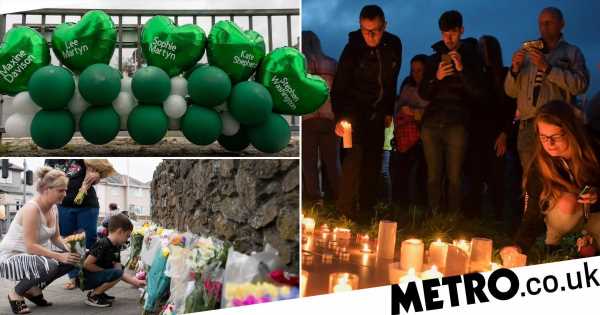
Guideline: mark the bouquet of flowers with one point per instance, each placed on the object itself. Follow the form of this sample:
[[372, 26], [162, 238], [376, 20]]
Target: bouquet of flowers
[[76, 244], [248, 293], [137, 240], [102, 167]]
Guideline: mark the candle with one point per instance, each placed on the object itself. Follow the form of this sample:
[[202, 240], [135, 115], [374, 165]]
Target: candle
[[437, 254], [308, 225], [324, 228], [411, 275], [365, 248], [342, 282], [394, 272], [386, 239], [345, 256], [411, 254], [432, 273], [332, 244], [303, 281], [327, 258], [457, 261], [362, 238], [342, 233], [513, 260], [365, 260], [347, 134], [481, 254], [307, 259], [308, 244], [462, 244]]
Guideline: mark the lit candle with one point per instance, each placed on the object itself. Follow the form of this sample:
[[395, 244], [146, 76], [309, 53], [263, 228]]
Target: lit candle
[[342, 282], [342, 233], [411, 275], [411, 254], [481, 254], [432, 273], [345, 256], [513, 260], [308, 244], [394, 272], [307, 259], [462, 244], [437, 254], [308, 225], [365, 260], [327, 258], [347, 134], [386, 239], [457, 261], [365, 248]]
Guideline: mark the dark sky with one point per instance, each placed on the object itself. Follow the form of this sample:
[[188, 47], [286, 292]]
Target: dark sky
[[415, 22]]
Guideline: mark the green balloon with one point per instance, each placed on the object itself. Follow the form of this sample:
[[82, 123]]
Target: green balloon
[[23, 52], [147, 124], [172, 48], [272, 136], [283, 73], [52, 129], [151, 85], [91, 40], [250, 103], [99, 125], [235, 143], [200, 125], [236, 52], [209, 86], [52, 87], [100, 84]]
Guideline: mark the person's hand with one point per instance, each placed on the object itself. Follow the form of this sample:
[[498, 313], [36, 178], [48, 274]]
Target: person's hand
[[457, 59], [500, 145], [388, 121], [139, 283], [444, 69], [538, 59], [589, 198], [340, 127], [407, 111], [68, 258], [517, 60], [91, 178]]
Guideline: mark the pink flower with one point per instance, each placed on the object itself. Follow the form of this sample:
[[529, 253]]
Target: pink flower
[[251, 299]]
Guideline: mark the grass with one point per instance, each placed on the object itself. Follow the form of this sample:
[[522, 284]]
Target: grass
[[416, 223]]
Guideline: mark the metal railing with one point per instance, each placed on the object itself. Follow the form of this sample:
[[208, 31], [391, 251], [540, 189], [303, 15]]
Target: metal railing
[[129, 32]]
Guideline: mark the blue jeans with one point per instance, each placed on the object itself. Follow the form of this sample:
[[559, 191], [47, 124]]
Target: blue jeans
[[385, 173], [73, 220], [444, 144], [96, 279]]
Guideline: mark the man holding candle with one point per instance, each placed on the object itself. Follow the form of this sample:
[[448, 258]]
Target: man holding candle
[[362, 97]]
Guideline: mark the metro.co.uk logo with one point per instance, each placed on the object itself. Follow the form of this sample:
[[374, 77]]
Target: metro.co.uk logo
[[502, 284]]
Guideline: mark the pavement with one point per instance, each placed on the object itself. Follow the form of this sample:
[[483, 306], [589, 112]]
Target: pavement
[[173, 145]]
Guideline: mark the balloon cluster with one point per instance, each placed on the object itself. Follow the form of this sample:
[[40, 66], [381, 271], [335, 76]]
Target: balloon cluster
[[236, 99]]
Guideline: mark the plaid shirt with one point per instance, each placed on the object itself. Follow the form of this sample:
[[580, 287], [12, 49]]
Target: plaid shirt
[[406, 132]]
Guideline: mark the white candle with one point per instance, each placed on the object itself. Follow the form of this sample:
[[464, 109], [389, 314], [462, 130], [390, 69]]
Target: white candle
[[386, 239], [481, 254], [437, 254], [342, 282], [347, 134], [411, 275], [365, 248], [342, 233], [432, 273], [457, 261], [411, 254], [308, 225]]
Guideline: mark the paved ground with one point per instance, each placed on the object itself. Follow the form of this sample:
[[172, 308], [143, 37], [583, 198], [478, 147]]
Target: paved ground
[[174, 145]]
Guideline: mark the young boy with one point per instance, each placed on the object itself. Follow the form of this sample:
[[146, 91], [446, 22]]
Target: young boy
[[102, 267]]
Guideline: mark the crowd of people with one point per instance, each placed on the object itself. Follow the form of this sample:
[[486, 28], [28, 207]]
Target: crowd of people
[[461, 126]]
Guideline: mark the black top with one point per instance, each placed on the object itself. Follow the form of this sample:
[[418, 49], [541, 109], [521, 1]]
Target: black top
[[452, 98], [364, 87], [107, 254], [75, 170]]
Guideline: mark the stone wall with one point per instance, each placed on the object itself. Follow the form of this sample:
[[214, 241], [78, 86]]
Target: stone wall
[[247, 202]]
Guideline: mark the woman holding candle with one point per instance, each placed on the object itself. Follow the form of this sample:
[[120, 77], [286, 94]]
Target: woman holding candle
[[565, 161], [24, 255]]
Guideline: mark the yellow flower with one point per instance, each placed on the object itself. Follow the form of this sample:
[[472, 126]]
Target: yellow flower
[[165, 251]]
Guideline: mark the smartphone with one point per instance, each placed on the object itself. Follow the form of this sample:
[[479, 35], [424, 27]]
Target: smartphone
[[585, 190], [446, 58]]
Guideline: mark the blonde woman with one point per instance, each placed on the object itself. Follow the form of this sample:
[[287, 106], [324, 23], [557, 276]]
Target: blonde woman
[[565, 161], [24, 253]]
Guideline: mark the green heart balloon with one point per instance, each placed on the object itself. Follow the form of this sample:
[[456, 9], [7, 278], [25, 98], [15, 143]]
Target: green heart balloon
[[236, 52], [89, 41], [172, 48], [24, 51], [294, 92]]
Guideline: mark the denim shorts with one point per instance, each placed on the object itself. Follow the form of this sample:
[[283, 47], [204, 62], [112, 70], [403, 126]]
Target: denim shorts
[[93, 280]]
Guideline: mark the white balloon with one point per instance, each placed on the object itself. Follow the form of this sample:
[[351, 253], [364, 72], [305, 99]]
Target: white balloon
[[22, 103], [77, 104], [179, 86], [175, 106], [221, 108], [230, 125], [124, 104], [126, 85], [174, 124], [18, 125]]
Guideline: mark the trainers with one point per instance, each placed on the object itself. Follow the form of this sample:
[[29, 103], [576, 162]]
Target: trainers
[[96, 300], [107, 297]]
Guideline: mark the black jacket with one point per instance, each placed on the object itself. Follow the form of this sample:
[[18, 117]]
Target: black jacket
[[364, 88], [452, 99], [75, 170]]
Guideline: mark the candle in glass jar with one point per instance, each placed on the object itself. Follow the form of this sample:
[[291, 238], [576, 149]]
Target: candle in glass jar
[[342, 282], [411, 254], [437, 254], [342, 233], [386, 239], [462, 244], [308, 225], [457, 261], [481, 254]]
